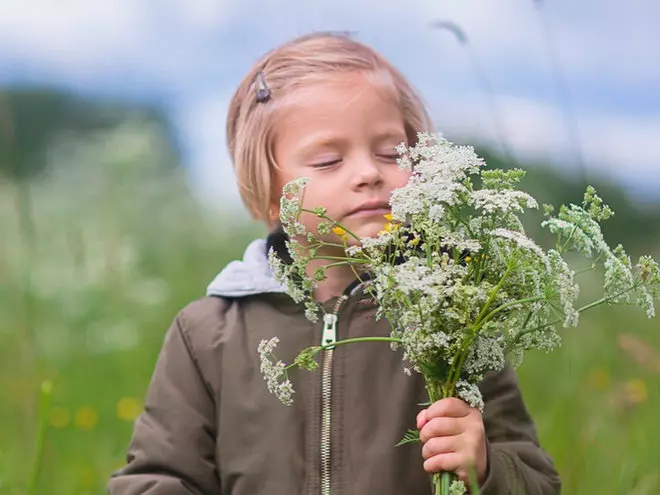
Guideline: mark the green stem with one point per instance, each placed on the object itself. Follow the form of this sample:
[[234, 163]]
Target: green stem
[[561, 250], [494, 292], [580, 310], [446, 481], [584, 270], [44, 408], [442, 480], [504, 306], [455, 372], [341, 258], [358, 340], [339, 263], [321, 244], [325, 217], [461, 221]]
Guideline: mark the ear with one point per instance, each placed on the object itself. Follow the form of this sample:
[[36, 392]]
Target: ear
[[274, 212]]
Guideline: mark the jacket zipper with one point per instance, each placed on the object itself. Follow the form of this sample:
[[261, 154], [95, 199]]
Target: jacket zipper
[[329, 337]]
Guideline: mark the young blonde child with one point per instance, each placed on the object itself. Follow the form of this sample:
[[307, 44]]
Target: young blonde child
[[329, 108]]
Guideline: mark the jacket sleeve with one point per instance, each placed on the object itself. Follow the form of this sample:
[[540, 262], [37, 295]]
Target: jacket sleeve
[[516, 463], [172, 450]]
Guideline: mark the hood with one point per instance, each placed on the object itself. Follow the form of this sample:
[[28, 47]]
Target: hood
[[249, 276]]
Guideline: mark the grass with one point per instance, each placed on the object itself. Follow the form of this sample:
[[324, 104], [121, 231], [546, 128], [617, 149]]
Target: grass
[[90, 285]]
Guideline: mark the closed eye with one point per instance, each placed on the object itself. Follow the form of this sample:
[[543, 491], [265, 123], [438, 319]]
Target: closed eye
[[325, 164], [393, 156]]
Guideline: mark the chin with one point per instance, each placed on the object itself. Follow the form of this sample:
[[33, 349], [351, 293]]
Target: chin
[[369, 230]]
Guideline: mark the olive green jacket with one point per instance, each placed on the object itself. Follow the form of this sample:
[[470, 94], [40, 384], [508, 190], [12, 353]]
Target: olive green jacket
[[211, 427]]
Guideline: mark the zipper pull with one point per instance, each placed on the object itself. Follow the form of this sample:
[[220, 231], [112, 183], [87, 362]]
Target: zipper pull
[[329, 329]]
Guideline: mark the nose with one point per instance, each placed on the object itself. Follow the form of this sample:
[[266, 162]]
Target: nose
[[366, 172]]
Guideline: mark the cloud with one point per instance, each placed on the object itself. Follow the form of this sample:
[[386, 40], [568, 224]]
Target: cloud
[[102, 43], [620, 147], [195, 51]]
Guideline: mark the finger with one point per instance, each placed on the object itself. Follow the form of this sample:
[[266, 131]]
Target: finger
[[421, 419], [451, 461], [440, 427], [451, 407], [439, 445]]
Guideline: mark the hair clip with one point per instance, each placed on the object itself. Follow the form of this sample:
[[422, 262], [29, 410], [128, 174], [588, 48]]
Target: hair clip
[[263, 91]]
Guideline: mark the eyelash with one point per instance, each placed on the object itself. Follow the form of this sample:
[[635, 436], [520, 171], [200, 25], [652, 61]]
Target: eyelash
[[330, 163], [325, 164]]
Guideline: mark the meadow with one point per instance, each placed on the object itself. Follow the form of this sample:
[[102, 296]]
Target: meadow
[[95, 265]]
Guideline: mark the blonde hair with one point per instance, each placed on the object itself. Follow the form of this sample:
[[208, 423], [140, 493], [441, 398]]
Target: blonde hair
[[301, 62]]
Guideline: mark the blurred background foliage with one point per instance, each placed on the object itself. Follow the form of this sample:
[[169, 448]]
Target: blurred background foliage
[[103, 242]]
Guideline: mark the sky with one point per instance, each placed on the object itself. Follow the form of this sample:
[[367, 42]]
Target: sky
[[500, 87]]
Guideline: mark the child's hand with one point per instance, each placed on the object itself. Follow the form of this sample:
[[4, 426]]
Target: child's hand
[[454, 439]]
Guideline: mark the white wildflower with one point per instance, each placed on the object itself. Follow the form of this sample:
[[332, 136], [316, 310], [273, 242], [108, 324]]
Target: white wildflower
[[354, 251], [290, 207], [436, 213], [420, 345], [503, 201], [471, 394], [283, 273], [564, 286], [619, 278], [457, 487], [312, 310], [645, 301], [375, 246], [521, 240], [565, 230], [274, 372], [456, 240], [456, 275], [486, 354], [649, 280]]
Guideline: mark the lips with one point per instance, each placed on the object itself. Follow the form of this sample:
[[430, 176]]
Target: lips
[[371, 208]]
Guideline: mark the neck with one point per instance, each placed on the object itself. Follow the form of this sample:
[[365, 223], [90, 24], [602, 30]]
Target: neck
[[338, 277]]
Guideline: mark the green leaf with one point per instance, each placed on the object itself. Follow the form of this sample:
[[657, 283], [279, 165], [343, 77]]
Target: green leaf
[[438, 371], [411, 436]]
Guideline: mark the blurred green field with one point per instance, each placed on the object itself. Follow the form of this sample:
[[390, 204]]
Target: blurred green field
[[93, 269]]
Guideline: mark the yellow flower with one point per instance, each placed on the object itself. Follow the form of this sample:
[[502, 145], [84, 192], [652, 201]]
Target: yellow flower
[[391, 227], [468, 259], [388, 217], [340, 232], [128, 408], [86, 418], [414, 241], [636, 391], [58, 417]]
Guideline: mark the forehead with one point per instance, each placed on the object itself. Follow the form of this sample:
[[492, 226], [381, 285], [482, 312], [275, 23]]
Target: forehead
[[340, 101], [341, 88]]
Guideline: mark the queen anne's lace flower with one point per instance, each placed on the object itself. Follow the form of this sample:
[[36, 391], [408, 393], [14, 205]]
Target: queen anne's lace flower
[[453, 271], [505, 201], [274, 372], [457, 487], [471, 394]]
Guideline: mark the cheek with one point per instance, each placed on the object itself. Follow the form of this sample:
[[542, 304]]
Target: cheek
[[398, 178]]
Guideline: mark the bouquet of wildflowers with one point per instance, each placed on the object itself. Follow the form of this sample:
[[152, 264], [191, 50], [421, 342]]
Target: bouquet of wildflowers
[[454, 273]]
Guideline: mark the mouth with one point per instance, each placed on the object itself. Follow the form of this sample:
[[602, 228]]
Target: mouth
[[371, 208]]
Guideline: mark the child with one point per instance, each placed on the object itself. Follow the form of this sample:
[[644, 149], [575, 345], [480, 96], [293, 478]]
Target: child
[[326, 107]]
